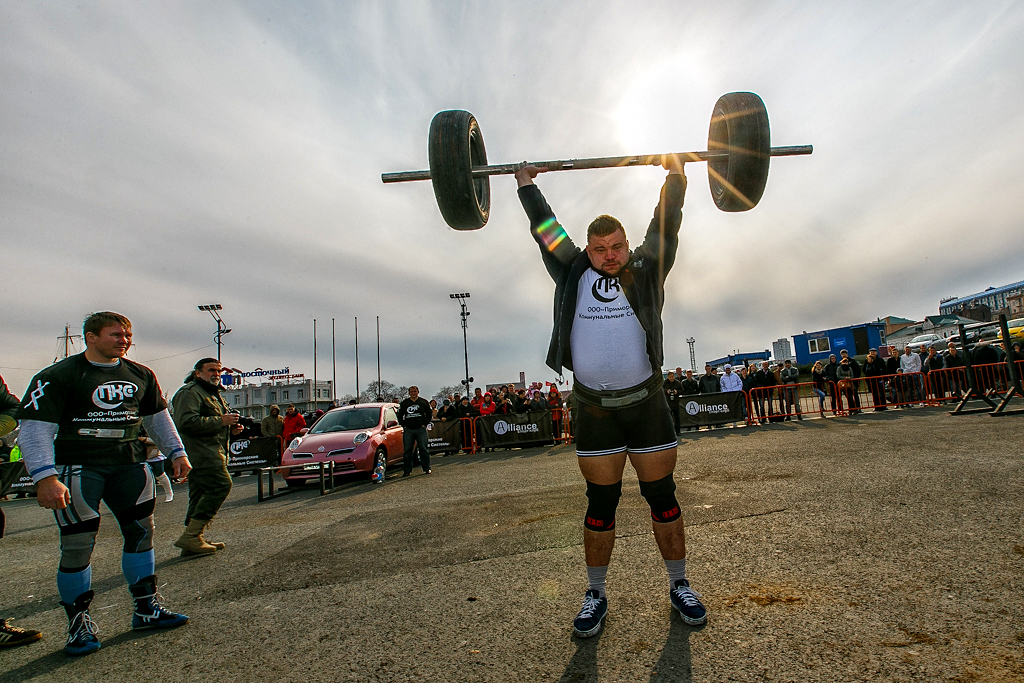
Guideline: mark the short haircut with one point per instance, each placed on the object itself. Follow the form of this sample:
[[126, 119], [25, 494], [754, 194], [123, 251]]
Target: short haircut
[[604, 225], [96, 322], [203, 361], [413, 387]]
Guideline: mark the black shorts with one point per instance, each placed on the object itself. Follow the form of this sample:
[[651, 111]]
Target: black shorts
[[644, 427]]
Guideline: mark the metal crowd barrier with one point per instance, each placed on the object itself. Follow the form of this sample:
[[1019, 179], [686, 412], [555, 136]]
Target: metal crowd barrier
[[787, 400], [325, 467]]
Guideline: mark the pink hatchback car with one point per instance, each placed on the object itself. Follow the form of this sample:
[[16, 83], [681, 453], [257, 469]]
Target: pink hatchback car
[[355, 437]]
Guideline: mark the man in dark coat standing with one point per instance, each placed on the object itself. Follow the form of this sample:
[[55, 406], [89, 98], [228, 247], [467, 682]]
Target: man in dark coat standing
[[414, 415], [673, 389], [874, 366]]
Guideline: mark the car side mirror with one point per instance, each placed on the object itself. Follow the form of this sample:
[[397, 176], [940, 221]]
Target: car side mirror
[[303, 430], [390, 424]]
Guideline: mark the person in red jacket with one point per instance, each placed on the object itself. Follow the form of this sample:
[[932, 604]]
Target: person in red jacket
[[477, 400], [293, 422], [555, 406], [487, 406]]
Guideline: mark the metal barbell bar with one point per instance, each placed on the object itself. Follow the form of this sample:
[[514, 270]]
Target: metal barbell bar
[[594, 162], [738, 156]]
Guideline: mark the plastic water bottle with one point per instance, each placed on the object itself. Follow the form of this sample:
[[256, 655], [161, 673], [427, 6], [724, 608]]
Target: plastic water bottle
[[378, 473]]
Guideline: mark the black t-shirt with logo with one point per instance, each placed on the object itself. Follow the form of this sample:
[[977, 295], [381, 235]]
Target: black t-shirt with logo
[[414, 414], [98, 409]]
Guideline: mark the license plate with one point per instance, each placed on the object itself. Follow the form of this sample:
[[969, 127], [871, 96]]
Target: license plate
[[315, 468]]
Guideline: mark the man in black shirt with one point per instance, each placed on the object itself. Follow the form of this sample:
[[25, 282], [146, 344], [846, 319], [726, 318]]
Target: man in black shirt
[[94, 404], [673, 389], [874, 366], [414, 415]]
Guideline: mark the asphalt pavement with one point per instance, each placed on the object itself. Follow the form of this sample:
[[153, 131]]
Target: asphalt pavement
[[885, 546]]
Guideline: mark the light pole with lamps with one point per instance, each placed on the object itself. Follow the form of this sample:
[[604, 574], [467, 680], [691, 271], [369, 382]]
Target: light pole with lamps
[[222, 329], [461, 298]]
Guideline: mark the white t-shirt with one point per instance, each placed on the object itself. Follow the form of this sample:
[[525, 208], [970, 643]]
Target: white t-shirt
[[609, 346]]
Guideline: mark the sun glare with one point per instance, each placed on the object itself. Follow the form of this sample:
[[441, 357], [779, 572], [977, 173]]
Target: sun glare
[[667, 106]]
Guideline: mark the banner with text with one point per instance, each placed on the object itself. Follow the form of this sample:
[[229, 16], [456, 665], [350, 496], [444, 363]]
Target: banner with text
[[251, 454], [514, 430], [444, 436], [14, 478], [711, 409]]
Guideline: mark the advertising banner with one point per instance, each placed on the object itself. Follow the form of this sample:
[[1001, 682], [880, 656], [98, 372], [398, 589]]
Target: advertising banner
[[444, 436], [253, 453], [14, 478], [496, 431], [711, 409]]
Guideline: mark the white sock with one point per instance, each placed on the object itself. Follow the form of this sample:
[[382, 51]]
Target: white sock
[[676, 571], [596, 577]]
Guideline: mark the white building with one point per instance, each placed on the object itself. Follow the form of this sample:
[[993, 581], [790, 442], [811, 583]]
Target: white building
[[782, 350], [254, 400]]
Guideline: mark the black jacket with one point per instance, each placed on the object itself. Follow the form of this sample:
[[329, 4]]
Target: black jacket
[[951, 361], [875, 368], [673, 390], [642, 278], [831, 371], [710, 384], [413, 414], [690, 387], [892, 365]]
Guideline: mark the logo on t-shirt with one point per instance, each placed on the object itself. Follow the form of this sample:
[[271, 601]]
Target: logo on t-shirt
[[606, 285], [110, 395]]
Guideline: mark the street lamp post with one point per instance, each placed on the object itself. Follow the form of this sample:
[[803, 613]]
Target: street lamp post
[[222, 329], [461, 298]]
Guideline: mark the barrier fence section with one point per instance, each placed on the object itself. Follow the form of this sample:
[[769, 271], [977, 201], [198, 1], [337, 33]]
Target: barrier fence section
[[777, 403], [882, 391]]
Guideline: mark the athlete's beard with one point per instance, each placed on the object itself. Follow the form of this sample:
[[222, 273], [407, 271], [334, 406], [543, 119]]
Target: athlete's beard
[[607, 274]]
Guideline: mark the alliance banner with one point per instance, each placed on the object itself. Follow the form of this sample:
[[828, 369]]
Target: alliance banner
[[444, 436], [14, 478], [711, 409], [520, 429], [254, 453]]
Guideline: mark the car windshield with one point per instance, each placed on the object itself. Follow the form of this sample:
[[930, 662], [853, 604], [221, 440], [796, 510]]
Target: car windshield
[[353, 419], [923, 338]]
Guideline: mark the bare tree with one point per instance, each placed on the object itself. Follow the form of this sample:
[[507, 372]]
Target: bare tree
[[445, 392], [384, 391]]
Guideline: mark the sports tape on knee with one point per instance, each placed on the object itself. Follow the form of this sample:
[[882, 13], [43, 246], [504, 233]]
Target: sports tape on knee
[[604, 498], [660, 495]]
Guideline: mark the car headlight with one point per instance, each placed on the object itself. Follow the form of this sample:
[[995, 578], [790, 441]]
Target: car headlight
[[295, 443], [361, 437]]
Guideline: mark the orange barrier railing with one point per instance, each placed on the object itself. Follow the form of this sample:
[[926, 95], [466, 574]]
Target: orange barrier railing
[[946, 384], [790, 401], [882, 391]]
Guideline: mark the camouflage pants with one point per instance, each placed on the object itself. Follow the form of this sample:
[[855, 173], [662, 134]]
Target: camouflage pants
[[208, 488]]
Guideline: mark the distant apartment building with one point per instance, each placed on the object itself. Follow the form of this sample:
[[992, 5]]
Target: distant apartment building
[[254, 400], [782, 350], [998, 299]]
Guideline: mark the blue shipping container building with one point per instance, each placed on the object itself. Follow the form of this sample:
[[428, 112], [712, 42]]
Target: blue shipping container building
[[855, 339]]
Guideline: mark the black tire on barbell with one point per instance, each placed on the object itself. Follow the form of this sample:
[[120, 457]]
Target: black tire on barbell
[[739, 125], [455, 146]]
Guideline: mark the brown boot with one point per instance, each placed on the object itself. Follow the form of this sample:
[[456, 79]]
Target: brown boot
[[216, 544], [192, 542]]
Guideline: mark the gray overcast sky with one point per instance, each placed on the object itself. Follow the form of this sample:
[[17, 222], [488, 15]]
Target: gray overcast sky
[[155, 156]]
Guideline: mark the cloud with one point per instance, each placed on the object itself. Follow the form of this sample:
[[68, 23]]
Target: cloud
[[156, 157]]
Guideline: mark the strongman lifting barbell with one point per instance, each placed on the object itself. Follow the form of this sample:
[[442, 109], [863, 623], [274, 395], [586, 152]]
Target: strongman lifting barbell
[[739, 149]]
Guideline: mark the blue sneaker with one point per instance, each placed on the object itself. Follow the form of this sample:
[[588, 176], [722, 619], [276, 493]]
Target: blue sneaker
[[81, 628], [687, 602], [149, 613], [588, 622]]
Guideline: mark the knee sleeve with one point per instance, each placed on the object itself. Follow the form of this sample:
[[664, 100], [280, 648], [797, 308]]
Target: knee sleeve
[[76, 548], [604, 498], [660, 495], [137, 527]]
